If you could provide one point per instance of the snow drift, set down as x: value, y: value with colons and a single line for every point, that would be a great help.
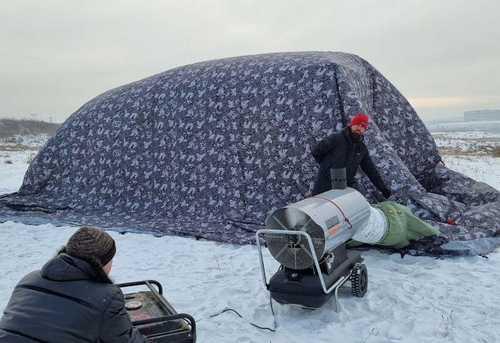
x: 207, y: 150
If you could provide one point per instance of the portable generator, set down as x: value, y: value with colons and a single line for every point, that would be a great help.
x: 154, y: 317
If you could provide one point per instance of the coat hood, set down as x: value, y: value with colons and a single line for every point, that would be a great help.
x: 64, y: 267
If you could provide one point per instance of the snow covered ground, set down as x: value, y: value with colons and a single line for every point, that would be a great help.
x: 415, y: 299
x: 468, y: 142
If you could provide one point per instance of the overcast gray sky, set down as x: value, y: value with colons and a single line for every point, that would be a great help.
x: 444, y: 56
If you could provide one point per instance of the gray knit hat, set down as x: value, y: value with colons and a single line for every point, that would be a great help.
x: 90, y: 243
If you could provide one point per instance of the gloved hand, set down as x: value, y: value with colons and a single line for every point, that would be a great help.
x: 386, y: 192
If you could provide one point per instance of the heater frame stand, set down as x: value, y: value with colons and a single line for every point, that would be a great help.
x: 333, y: 288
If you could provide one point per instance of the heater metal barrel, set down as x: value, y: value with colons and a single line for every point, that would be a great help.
x: 330, y: 218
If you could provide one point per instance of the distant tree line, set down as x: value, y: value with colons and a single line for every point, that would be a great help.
x: 12, y: 127
x: 482, y: 115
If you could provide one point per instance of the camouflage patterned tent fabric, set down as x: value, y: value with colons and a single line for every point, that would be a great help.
x: 208, y: 149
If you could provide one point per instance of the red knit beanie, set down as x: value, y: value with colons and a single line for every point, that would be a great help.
x: 360, y: 119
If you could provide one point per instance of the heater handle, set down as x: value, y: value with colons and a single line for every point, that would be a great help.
x: 147, y: 283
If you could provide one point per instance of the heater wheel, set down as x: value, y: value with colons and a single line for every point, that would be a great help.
x: 359, y: 280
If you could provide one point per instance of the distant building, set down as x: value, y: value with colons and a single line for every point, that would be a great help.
x: 482, y: 115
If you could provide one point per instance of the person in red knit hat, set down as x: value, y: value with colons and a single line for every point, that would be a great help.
x: 346, y: 149
x: 360, y: 120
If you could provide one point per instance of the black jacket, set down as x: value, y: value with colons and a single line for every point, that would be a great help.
x: 340, y: 151
x: 69, y: 300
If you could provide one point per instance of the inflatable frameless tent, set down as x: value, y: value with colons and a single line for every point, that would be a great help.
x: 207, y: 150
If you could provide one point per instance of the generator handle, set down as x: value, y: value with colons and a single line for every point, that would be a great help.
x: 163, y: 319
x: 339, y: 282
x: 148, y: 283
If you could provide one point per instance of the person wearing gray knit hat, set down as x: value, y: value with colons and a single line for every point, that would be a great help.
x: 92, y: 244
x: 71, y: 299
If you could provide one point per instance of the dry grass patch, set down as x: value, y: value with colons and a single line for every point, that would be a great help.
x: 496, y: 152
x: 17, y: 147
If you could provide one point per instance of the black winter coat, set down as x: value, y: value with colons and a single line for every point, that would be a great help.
x: 68, y: 301
x: 340, y: 151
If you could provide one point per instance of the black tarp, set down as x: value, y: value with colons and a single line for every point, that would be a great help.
x: 208, y: 149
